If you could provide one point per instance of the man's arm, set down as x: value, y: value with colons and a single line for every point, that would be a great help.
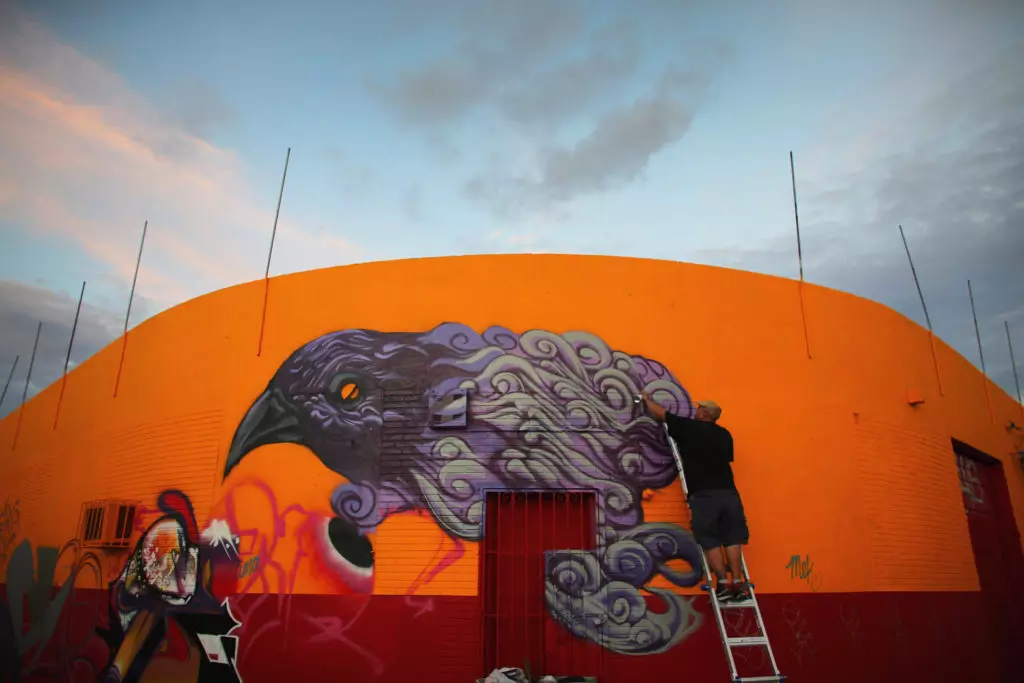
x: 678, y: 425
x: 656, y: 411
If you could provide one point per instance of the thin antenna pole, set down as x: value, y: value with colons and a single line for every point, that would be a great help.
x: 796, y: 217
x: 270, y: 252
x: 799, y: 257
x: 981, y: 353
x: 924, y: 306
x: 135, y: 278
x: 917, y: 283
x: 10, y: 376
x: 67, y: 358
x: 1013, y: 363
x: 977, y: 333
x: 28, y: 380
x: 128, y: 313
x: 277, y: 213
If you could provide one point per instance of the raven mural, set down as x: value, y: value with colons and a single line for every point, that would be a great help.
x: 432, y: 420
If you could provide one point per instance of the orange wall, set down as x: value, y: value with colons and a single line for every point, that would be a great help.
x: 831, y: 460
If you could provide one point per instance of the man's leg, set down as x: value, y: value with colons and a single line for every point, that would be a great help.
x: 717, y: 562
x: 735, y: 535
x: 735, y: 562
x: 704, y: 523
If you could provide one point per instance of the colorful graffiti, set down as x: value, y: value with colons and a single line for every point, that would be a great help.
x: 970, y: 483
x: 29, y: 586
x: 288, y: 546
x: 160, y: 601
x: 169, y: 579
x: 429, y: 421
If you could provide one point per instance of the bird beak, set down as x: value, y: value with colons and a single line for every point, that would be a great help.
x: 271, y: 419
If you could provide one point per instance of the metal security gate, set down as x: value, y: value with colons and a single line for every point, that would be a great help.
x: 517, y: 629
x: 997, y: 553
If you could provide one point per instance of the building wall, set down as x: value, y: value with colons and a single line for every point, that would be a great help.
x: 836, y: 469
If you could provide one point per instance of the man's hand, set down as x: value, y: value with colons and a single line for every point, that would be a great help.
x: 656, y: 411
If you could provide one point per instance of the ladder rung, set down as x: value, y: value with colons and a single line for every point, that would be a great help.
x: 746, y: 641
x: 746, y: 604
x: 762, y: 679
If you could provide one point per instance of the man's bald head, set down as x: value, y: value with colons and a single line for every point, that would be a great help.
x: 708, y: 411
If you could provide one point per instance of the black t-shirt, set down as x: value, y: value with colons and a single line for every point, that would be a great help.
x: 706, y: 450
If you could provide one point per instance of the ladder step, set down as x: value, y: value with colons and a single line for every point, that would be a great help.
x: 762, y: 679
x: 746, y: 604
x: 746, y: 641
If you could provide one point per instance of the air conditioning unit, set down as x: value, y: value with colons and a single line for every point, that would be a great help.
x: 107, y: 523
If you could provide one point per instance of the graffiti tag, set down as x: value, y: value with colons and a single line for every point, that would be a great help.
x: 249, y: 567
x: 970, y: 484
x: 802, y: 568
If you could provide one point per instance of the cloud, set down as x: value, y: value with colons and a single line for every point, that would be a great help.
x: 499, y: 46
x: 86, y: 160
x: 22, y: 307
x: 199, y: 108
x: 614, y: 152
x: 573, y: 102
x: 951, y: 171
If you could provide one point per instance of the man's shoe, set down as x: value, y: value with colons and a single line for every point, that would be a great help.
x: 724, y: 592
x: 739, y: 592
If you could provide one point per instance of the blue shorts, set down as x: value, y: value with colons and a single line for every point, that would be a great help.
x: 717, y: 518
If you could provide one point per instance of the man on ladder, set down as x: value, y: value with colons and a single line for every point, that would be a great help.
x: 717, y: 517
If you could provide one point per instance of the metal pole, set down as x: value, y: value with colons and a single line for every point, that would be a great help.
x: 128, y: 313
x: 135, y: 278
x: 28, y: 380
x: 924, y: 306
x: 1013, y: 363
x: 796, y: 217
x: 277, y: 213
x: 917, y: 283
x: 799, y: 257
x: 981, y: 353
x: 270, y: 252
x: 67, y: 358
x: 977, y: 333
x: 7, y: 385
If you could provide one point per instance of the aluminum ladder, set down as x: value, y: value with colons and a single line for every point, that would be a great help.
x: 729, y: 642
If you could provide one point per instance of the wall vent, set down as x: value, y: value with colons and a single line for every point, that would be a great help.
x: 107, y: 523
x: 449, y: 410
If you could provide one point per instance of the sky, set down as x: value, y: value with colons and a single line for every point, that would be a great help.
x: 649, y: 128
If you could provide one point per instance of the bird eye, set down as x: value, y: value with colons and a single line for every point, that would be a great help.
x: 345, y: 388
x: 349, y: 391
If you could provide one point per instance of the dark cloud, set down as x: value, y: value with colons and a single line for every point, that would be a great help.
x: 536, y: 69
x: 500, y: 46
x: 22, y: 307
x: 199, y: 108
x: 615, y: 152
x: 559, y: 93
x: 956, y: 185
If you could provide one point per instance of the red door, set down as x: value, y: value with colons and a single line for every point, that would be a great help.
x: 519, y: 529
x: 997, y: 554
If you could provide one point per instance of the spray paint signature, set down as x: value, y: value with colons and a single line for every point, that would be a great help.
x: 802, y: 568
